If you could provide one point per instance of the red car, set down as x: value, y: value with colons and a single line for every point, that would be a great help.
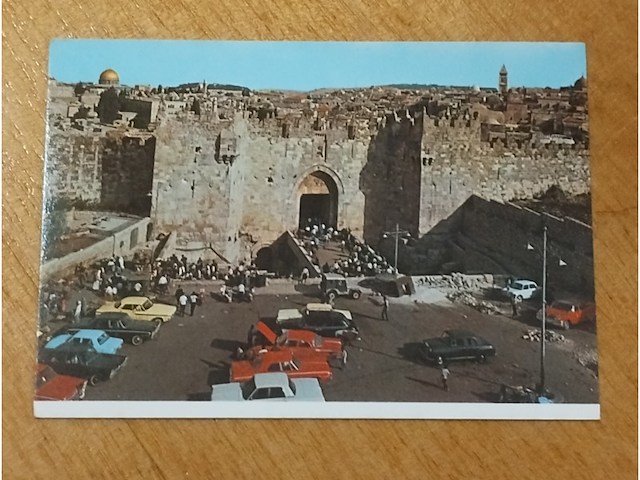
x: 51, y: 386
x: 569, y: 313
x: 302, y: 343
x: 282, y: 361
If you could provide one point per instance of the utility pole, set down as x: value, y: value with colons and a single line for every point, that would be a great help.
x: 396, y: 233
x: 544, y: 308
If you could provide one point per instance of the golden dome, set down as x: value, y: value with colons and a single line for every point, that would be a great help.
x: 109, y: 77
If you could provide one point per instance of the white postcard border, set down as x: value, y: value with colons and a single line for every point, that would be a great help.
x: 328, y: 410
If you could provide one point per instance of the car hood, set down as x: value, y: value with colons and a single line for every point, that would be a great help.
x: 62, y: 387
x: 308, y: 389
x: 112, y: 345
x: 226, y: 392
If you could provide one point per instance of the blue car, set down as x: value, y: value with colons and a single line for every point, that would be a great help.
x: 93, y: 340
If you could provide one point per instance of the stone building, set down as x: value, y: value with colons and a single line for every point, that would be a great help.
x: 230, y: 180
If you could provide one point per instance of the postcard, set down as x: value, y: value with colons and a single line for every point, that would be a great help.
x: 317, y: 230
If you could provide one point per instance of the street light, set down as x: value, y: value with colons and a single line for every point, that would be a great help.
x: 544, y: 304
x: 396, y: 233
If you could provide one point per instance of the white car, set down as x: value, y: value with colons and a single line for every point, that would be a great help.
x: 288, y: 314
x: 275, y: 386
x: 521, y: 289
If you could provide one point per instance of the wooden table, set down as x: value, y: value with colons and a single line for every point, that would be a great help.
x: 318, y: 449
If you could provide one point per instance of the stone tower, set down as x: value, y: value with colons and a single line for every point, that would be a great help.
x: 502, y: 82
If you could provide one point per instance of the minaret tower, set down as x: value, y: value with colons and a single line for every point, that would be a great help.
x: 503, y: 85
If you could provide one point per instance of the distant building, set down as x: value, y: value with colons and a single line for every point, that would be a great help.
x: 109, y: 77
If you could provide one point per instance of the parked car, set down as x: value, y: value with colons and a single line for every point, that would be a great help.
x: 139, y: 308
x: 301, y: 342
x: 94, y: 340
x: 456, y: 345
x: 52, y: 386
x: 282, y: 361
x: 320, y: 318
x: 274, y: 386
x: 521, y: 289
x: 568, y: 313
x: 121, y: 326
x: 79, y: 362
x: 523, y: 394
x: 333, y: 285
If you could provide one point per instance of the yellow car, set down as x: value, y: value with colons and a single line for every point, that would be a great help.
x: 139, y: 308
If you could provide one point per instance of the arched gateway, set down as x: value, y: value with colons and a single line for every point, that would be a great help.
x: 317, y: 199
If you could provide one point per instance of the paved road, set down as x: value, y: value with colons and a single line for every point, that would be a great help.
x: 192, y: 353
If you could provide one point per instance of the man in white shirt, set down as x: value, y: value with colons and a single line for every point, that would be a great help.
x: 182, y: 303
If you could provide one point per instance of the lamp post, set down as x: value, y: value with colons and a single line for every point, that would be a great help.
x: 396, y: 233
x: 544, y: 308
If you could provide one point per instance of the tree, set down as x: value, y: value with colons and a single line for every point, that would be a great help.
x: 108, y: 106
x: 195, y: 107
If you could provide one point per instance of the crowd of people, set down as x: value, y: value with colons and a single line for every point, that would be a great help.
x: 361, y: 259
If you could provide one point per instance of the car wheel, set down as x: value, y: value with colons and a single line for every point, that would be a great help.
x: 159, y: 320
x: 331, y: 296
x: 519, y: 298
x: 137, y: 340
x: 94, y: 380
x: 355, y: 295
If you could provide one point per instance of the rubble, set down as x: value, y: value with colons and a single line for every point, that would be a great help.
x: 550, y: 336
x: 455, y: 281
x: 468, y: 299
x: 588, y: 358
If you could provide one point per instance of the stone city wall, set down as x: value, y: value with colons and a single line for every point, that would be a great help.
x: 456, y: 165
x: 496, y: 235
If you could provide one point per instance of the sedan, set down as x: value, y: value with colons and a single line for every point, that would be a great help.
x: 456, y: 345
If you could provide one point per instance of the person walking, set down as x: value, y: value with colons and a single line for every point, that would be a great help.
x: 515, y: 305
x: 444, y: 375
x: 194, y: 300
x: 385, y: 308
x: 77, y: 312
x: 182, y: 304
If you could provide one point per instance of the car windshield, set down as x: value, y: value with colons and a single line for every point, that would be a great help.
x: 103, y: 338
x: 118, y: 304
x: 147, y: 304
x: 517, y: 286
x: 567, y: 307
x: 247, y: 388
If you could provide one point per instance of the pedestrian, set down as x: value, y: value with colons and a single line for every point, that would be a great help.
x: 194, y: 300
x: 163, y: 284
x: 385, y: 308
x: 178, y: 294
x: 444, y: 374
x: 138, y: 288
x: 108, y: 292
x: 304, y: 275
x: 515, y: 305
x: 251, y: 336
x: 77, y: 312
x: 182, y: 304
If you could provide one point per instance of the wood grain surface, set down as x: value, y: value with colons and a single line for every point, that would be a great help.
x: 173, y: 449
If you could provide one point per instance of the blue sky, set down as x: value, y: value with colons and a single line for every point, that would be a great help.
x: 310, y: 65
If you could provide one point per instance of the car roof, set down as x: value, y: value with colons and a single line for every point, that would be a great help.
x: 319, y: 307
x: 271, y: 379
x: 333, y: 276
x: 89, y: 333
x: 278, y: 355
x: 300, y: 335
x: 134, y: 300
x: 525, y: 282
